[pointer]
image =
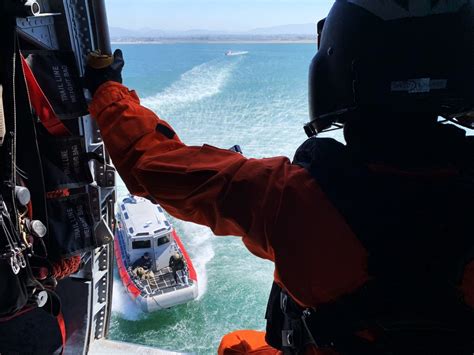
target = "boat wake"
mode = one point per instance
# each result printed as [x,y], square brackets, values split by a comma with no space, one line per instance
[201,82]
[123,305]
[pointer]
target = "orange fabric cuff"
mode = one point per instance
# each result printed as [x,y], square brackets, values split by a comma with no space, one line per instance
[107,94]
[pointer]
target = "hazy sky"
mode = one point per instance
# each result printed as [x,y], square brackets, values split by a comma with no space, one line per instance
[231,15]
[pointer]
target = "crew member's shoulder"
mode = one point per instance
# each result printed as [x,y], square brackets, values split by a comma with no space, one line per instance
[318,149]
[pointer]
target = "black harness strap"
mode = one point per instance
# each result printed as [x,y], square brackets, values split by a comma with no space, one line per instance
[291,328]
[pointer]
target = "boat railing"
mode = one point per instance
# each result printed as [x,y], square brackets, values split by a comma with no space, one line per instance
[162,280]
[183,276]
[148,289]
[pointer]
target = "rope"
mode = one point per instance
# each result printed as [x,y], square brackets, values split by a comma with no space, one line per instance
[65,267]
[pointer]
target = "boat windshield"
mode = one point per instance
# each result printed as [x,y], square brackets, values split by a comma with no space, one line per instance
[141,244]
[163,240]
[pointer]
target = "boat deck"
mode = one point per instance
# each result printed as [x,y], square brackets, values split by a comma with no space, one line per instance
[163,282]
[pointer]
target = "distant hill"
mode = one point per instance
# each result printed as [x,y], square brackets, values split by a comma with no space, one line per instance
[118,32]
[300,30]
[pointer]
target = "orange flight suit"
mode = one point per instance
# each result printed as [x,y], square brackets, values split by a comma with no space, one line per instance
[271,203]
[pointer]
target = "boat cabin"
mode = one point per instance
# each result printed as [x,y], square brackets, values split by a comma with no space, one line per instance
[148,230]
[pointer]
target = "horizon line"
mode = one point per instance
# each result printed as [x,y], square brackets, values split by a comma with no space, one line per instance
[220,30]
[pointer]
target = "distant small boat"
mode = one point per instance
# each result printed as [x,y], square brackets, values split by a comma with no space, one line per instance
[232,53]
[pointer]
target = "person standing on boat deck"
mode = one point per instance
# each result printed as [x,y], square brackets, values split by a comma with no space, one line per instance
[371,240]
[176,264]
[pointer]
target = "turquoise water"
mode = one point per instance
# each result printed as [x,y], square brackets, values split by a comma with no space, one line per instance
[258,101]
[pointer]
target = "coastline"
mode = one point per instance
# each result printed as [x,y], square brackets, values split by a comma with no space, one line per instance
[192,41]
[218,39]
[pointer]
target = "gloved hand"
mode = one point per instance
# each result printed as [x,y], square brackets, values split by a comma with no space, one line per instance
[101,69]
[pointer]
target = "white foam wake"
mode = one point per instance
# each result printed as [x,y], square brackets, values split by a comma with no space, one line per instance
[123,304]
[202,81]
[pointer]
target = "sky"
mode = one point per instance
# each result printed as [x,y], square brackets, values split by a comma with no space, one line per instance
[216,15]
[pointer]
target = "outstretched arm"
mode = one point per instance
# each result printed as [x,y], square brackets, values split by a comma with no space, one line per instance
[271,203]
[221,189]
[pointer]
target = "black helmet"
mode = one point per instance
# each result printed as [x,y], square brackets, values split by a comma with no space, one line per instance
[393,56]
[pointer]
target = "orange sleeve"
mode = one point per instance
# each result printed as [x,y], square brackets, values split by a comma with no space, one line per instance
[221,189]
[246,342]
[467,284]
[273,204]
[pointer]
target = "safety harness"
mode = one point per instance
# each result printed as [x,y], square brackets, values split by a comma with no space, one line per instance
[414,222]
[44,223]
[28,275]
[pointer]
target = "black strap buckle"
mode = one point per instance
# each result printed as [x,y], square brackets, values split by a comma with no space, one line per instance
[287,339]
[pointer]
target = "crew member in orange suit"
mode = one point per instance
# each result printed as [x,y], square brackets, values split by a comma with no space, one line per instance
[371,240]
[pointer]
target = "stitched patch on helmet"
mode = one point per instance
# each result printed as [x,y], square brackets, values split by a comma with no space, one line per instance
[166,131]
[397,9]
[418,86]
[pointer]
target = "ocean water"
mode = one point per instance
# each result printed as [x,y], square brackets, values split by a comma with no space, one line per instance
[257,100]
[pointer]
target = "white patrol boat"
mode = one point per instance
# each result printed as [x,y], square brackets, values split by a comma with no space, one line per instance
[143,229]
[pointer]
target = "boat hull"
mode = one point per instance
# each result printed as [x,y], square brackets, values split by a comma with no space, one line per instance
[165,301]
